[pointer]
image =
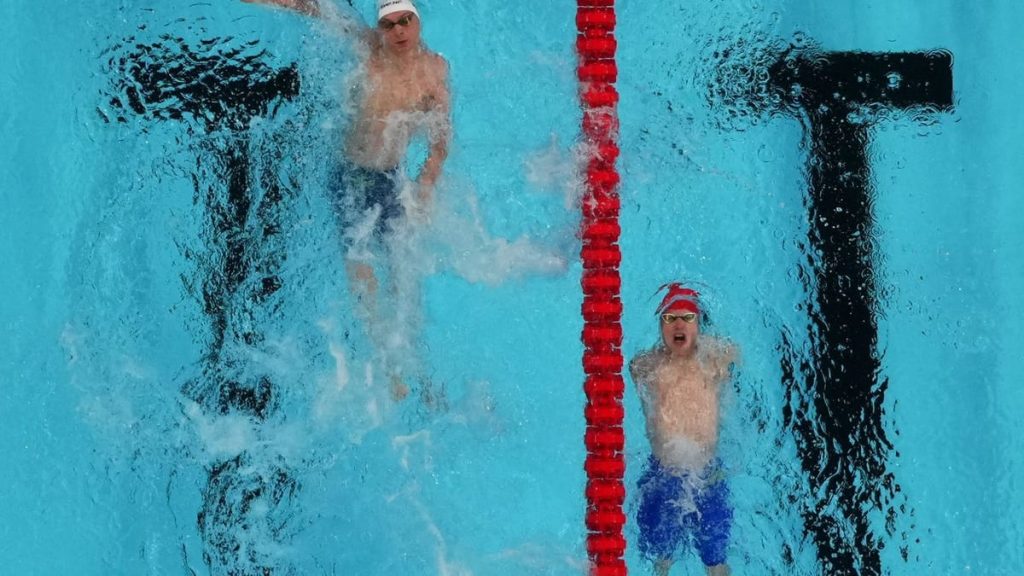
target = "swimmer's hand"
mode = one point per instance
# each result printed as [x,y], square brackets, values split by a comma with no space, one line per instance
[434,399]
[398,388]
[310,7]
[424,205]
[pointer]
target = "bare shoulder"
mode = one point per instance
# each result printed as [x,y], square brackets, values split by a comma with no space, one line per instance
[642,364]
[719,347]
[719,354]
[436,66]
[438,60]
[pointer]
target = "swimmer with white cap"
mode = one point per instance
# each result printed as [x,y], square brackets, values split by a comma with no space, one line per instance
[404,93]
[406,88]
[386,7]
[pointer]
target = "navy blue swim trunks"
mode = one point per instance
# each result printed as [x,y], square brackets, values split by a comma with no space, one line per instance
[358,194]
[676,506]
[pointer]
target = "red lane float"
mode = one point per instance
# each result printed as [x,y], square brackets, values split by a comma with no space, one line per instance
[598,72]
[601,281]
[602,335]
[601,362]
[606,544]
[596,309]
[601,231]
[603,414]
[597,46]
[599,95]
[602,179]
[604,438]
[601,208]
[590,19]
[600,126]
[601,521]
[605,468]
[606,491]
[602,385]
[600,256]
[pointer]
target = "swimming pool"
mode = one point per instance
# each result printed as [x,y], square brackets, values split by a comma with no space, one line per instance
[132,316]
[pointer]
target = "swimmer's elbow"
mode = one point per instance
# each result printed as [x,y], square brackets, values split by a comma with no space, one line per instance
[307,7]
[439,145]
[634,369]
[732,354]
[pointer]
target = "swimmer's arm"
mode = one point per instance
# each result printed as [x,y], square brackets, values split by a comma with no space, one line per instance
[344,18]
[307,7]
[439,134]
[640,368]
[730,354]
[634,370]
[728,357]
[638,373]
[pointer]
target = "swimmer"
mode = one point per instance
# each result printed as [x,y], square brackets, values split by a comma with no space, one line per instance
[404,93]
[683,493]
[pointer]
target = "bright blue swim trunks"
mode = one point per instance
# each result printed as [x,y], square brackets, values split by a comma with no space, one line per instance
[359,193]
[675,506]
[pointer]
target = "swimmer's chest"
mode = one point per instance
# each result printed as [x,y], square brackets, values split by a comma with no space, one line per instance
[388,91]
[689,386]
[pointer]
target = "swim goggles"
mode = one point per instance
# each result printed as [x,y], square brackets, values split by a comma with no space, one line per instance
[688,317]
[404,21]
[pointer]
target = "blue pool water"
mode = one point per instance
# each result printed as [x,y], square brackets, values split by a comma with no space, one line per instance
[128,326]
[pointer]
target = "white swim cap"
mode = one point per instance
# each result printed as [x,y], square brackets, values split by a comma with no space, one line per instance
[385,7]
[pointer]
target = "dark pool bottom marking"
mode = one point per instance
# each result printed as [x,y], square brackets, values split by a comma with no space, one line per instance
[835,397]
[219,85]
[239,490]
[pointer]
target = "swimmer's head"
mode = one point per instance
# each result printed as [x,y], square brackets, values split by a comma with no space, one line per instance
[385,7]
[679,298]
[399,25]
[679,317]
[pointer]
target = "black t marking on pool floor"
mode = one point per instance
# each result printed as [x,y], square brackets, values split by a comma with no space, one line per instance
[836,397]
[220,85]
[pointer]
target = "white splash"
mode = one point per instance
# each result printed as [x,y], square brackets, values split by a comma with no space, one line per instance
[356,403]
[223,436]
[466,246]
[534,557]
[555,168]
[445,565]
[405,444]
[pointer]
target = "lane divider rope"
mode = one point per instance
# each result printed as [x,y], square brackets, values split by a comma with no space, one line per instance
[605,463]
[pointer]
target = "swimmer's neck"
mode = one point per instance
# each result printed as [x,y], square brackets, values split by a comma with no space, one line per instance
[679,359]
[400,61]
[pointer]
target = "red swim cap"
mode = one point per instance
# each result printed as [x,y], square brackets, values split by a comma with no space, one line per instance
[679,298]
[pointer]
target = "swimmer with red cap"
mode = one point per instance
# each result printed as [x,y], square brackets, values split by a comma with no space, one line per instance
[683,493]
[680,338]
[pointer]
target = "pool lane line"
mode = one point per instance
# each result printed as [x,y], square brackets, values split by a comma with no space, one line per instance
[602,307]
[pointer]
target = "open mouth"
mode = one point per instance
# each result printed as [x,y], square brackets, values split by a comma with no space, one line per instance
[679,338]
